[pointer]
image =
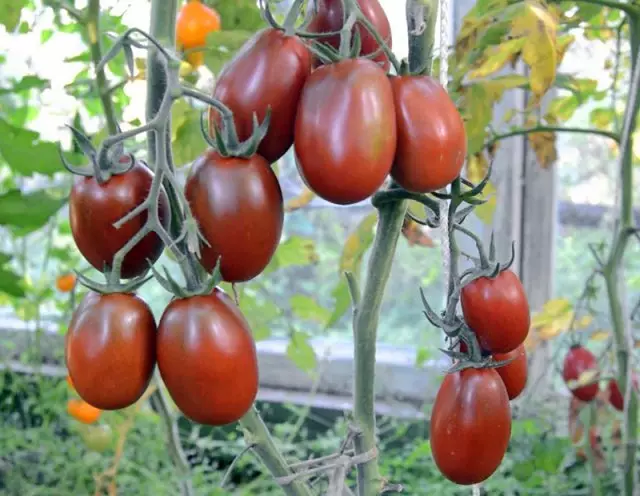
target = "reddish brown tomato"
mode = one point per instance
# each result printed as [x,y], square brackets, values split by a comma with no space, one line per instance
[329,17]
[497,310]
[432,143]
[345,135]
[238,205]
[616,397]
[470,425]
[270,70]
[111,349]
[514,374]
[94,208]
[207,358]
[578,361]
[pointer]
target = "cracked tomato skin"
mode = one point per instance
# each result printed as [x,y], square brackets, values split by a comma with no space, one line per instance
[470,425]
[497,310]
[329,17]
[514,374]
[345,133]
[95,207]
[580,360]
[110,349]
[432,143]
[207,358]
[238,205]
[269,71]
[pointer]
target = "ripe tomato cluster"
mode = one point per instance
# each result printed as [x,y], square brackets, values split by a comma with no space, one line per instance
[471,419]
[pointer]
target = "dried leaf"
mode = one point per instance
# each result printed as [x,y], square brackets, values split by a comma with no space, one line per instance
[544,146]
[415,234]
[300,201]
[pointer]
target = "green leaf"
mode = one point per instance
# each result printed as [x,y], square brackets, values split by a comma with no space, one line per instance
[478,114]
[260,313]
[307,308]
[342,302]
[222,46]
[10,11]
[29,211]
[357,243]
[301,352]
[562,109]
[422,355]
[186,133]
[11,283]
[26,83]
[295,251]
[238,14]
[602,117]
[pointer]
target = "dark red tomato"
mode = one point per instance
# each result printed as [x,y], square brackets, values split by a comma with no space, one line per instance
[497,310]
[110,349]
[514,374]
[207,358]
[578,361]
[329,17]
[432,143]
[616,397]
[238,205]
[270,70]
[345,135]
[94,208]
[470,425]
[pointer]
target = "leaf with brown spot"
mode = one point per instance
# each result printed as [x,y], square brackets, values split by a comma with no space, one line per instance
[544,146]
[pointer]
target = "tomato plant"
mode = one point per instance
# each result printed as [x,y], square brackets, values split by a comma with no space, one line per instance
[470,425]
[207,358]
[95,207]
[110,349]
[239,208]
[432,143]
[83,411]
[616,397]
[578,361]
[268,72]
[194,22]
[514,374]
[345,131]
[497,310]
[329,17]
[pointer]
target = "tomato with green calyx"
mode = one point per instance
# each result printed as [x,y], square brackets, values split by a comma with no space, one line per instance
[497,310]
[470,425]
[345,133]
[238,205]
[268,72]
[207,358]
[329,18]
[616,397]
[193,23]
[95,207]
[432,143]
[579,361]
[514,374]
[110,349]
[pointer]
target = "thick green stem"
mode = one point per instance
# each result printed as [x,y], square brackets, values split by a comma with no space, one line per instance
[93,34]
[421,15]
[264,447]
[613,269]
[591,455]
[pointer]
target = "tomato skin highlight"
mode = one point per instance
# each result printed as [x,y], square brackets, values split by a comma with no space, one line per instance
[514,374]
[345,133]
[94,208]
[329,17]
[432,143]
[616,397]
[470,425]
[110,349]
[207,358]
[239,207]
[497,310]
[577,361]
[269,71]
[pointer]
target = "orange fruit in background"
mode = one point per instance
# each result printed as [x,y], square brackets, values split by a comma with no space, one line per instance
[194,22]
[83,411]
[66,282]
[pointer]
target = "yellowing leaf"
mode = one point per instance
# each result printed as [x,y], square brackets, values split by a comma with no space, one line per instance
[300,201]
[477,167]
[550,311]
[358,243]
[583,322]
[562,45]
[600,335]
[544,146]
[486,211]
[496,57]
[498,85]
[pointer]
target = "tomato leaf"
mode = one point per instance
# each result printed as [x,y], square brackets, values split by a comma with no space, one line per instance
[26,83]
[486,211]
[301,352]
[186,134]
[602,117]
[342,302]
[307,308]
[294,251]
[11,283]
[260,313]
[300,201]
[357,244]
[28,211]
[496,57]
[222,46]
[544,146]
[10,13]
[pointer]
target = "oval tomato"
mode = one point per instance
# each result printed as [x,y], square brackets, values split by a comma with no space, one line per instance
[470,425]
[432,143]
[207,358]
[329,17]
[616,397]
[95,207]
[110,349]
[578,361]
[345,134]
[239,208]
[514,374]
[193,23]
[269,71]
[497,310]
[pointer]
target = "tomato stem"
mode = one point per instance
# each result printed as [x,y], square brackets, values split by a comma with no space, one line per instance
[289,25]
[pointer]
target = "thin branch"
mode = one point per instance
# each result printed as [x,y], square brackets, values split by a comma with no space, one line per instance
[553,129]
[76,14]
